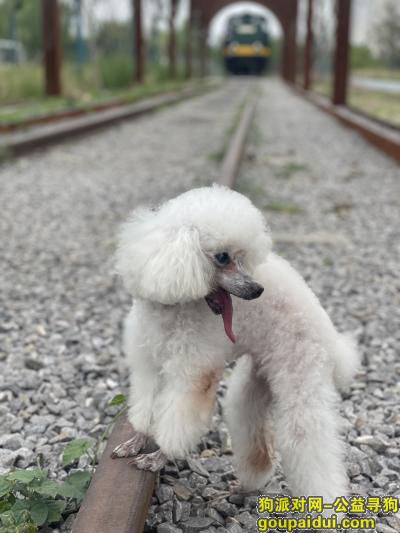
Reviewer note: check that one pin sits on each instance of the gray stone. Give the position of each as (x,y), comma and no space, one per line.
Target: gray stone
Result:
(164,493)
(214,514)
(25,457)
(233,526)
(225,508)
(377,443)
(197,523)
(251,502)
(236,498)
(165,511)
(247,520)
(209,493)
(180,511)
(182,491)
(197,467)
(34,362)
(383,528)
(11,441)
(394,521)
(168,528)
(7,459)
(196,480)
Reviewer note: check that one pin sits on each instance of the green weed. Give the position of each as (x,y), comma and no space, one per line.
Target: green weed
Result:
(289,169)
(282,207)
(30,500)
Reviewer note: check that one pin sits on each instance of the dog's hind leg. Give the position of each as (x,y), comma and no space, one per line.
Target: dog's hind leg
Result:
(307,425)
(246,408)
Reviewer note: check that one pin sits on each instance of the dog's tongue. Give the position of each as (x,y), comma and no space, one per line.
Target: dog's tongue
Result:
(224,299)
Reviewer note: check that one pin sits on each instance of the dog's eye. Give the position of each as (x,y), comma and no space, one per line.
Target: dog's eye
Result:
(222,258)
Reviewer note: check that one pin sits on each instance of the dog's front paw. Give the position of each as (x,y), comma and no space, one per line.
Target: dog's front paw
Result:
(153,461)
(131,447)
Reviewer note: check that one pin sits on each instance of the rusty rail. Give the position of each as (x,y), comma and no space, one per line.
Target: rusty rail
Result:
(19,142)
(384,137)
(119,495)
(233,155)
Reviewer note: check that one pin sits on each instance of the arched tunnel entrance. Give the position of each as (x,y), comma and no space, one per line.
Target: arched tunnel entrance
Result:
(203,11)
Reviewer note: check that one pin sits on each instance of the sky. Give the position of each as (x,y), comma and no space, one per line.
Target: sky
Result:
(364,12)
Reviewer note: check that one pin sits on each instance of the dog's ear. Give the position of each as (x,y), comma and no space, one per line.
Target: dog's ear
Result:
(160,263)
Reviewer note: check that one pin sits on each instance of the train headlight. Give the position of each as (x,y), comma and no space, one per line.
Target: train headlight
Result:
(233,47)
(257,46)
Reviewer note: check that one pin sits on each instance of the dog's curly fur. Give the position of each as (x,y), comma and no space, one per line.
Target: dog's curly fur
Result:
(282,392)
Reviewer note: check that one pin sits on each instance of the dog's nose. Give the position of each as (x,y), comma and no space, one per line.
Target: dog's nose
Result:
(258,290)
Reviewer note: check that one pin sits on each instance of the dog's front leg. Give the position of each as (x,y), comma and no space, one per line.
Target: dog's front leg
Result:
(143,385)
(182,413)
(184,410)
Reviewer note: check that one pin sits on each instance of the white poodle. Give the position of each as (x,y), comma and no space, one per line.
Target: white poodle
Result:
(182,262)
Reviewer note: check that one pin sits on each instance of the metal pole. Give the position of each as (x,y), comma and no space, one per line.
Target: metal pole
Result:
(203,51)
(172,39)
(288,68)
(138,50)
(308,52)
(51,47)
(341,62)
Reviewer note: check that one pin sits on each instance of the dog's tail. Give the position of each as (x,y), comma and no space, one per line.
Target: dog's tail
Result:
(347,360)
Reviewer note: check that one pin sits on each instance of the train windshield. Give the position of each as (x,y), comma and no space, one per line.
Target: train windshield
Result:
(246,29)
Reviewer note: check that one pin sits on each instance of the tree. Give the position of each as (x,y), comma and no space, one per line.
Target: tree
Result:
(114,37)
(361,57)
(27,17)
(386,33)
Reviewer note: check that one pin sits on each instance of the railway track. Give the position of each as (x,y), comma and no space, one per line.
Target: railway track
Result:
(56,287)
(119,496)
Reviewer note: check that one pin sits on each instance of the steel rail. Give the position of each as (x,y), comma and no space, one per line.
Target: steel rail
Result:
(383,136)
(234,153)
(18,142)
(119,495)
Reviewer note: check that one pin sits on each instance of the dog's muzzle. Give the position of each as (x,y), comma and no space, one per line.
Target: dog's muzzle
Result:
(241,285)
(238,283)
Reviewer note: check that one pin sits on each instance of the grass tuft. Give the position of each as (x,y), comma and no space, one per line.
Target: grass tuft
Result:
(289,169)
(283,207)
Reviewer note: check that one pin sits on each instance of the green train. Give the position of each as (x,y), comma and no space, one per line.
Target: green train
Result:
(247,46)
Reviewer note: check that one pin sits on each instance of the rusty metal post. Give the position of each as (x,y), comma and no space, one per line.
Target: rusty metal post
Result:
(203,51)
(288,68)
(189,48)
(138,46)
(172,39)
(52,55)
(341,60)
(308,51)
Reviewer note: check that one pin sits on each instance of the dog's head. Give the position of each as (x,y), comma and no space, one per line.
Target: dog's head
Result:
(204,243)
